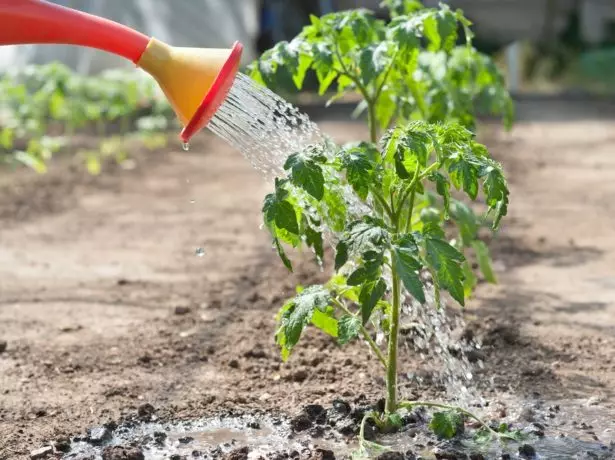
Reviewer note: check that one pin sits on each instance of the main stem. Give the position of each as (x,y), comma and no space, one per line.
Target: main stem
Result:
(391,400)
(371,121)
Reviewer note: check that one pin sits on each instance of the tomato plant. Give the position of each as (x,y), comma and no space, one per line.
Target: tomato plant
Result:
(387,205)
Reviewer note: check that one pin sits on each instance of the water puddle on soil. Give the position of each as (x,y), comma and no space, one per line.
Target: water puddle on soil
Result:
(564,431)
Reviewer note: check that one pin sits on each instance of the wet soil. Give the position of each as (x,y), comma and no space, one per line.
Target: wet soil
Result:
(107,313)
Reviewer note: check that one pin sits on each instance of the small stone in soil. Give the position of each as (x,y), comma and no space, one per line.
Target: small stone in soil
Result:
(43,452)
(527,451)
(505,457)
(98,435)
(3,346)
(233,364)
(238,454)
(300,423)
(254,425)
(122,453)
(186,440)
(62,445)
(477,456)
(181,310)
(341,407)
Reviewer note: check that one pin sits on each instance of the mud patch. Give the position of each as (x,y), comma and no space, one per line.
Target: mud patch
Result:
(549,431)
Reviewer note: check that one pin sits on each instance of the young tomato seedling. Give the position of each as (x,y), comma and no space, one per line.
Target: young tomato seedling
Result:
(386,204)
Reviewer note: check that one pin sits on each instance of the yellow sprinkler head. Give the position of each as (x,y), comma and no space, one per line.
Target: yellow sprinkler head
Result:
(195,80)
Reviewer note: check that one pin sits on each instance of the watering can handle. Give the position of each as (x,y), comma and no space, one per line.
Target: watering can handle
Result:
(42,22)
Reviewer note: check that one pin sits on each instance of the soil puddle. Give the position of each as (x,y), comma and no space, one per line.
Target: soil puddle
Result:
(554,431)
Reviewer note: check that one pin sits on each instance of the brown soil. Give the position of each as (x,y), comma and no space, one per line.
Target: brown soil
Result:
(105,306)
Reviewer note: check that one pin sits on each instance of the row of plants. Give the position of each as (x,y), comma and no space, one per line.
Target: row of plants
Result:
(391,208)
(43,106)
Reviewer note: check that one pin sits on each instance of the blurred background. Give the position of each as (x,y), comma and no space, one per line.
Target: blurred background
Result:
(543,45)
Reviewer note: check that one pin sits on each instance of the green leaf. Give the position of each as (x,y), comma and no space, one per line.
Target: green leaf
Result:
(282,254)
(326,322)
(484,260)
(370,294)
(307,174)
(446,261)
(366,235)
(446,424)
(464,173)
(348,328)
(466,221)
(407,264)
(297,313)
(285,217)
(314,240)
(359,169)
(357,277)
(335,208)
(373,61)
(410,279)
(469,279)
(341,254)
(31,161)
(442,187)
(496,190)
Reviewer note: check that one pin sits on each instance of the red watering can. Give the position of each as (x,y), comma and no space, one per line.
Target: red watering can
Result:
(195,80)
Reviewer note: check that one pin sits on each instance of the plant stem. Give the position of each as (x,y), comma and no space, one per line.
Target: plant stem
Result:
(383,203)
(371,121)
(391,400)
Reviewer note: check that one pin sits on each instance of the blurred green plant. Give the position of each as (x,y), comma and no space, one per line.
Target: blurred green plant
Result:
(43,106)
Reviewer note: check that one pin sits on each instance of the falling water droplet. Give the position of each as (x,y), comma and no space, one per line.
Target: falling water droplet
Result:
(200,252)
(192,201)
(186,146)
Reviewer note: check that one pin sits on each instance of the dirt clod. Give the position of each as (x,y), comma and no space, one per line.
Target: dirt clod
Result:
(299,376)
(316,413)
(181,310)
(527,451)
(43,452)
(159,437)
(341,407)
(145,411)
(3,346)
(301,422)
(122,453)
(185,440)
(238,454)
(62,444)
(233,364)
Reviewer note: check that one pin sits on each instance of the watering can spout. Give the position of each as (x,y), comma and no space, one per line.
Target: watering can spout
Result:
(194,80)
